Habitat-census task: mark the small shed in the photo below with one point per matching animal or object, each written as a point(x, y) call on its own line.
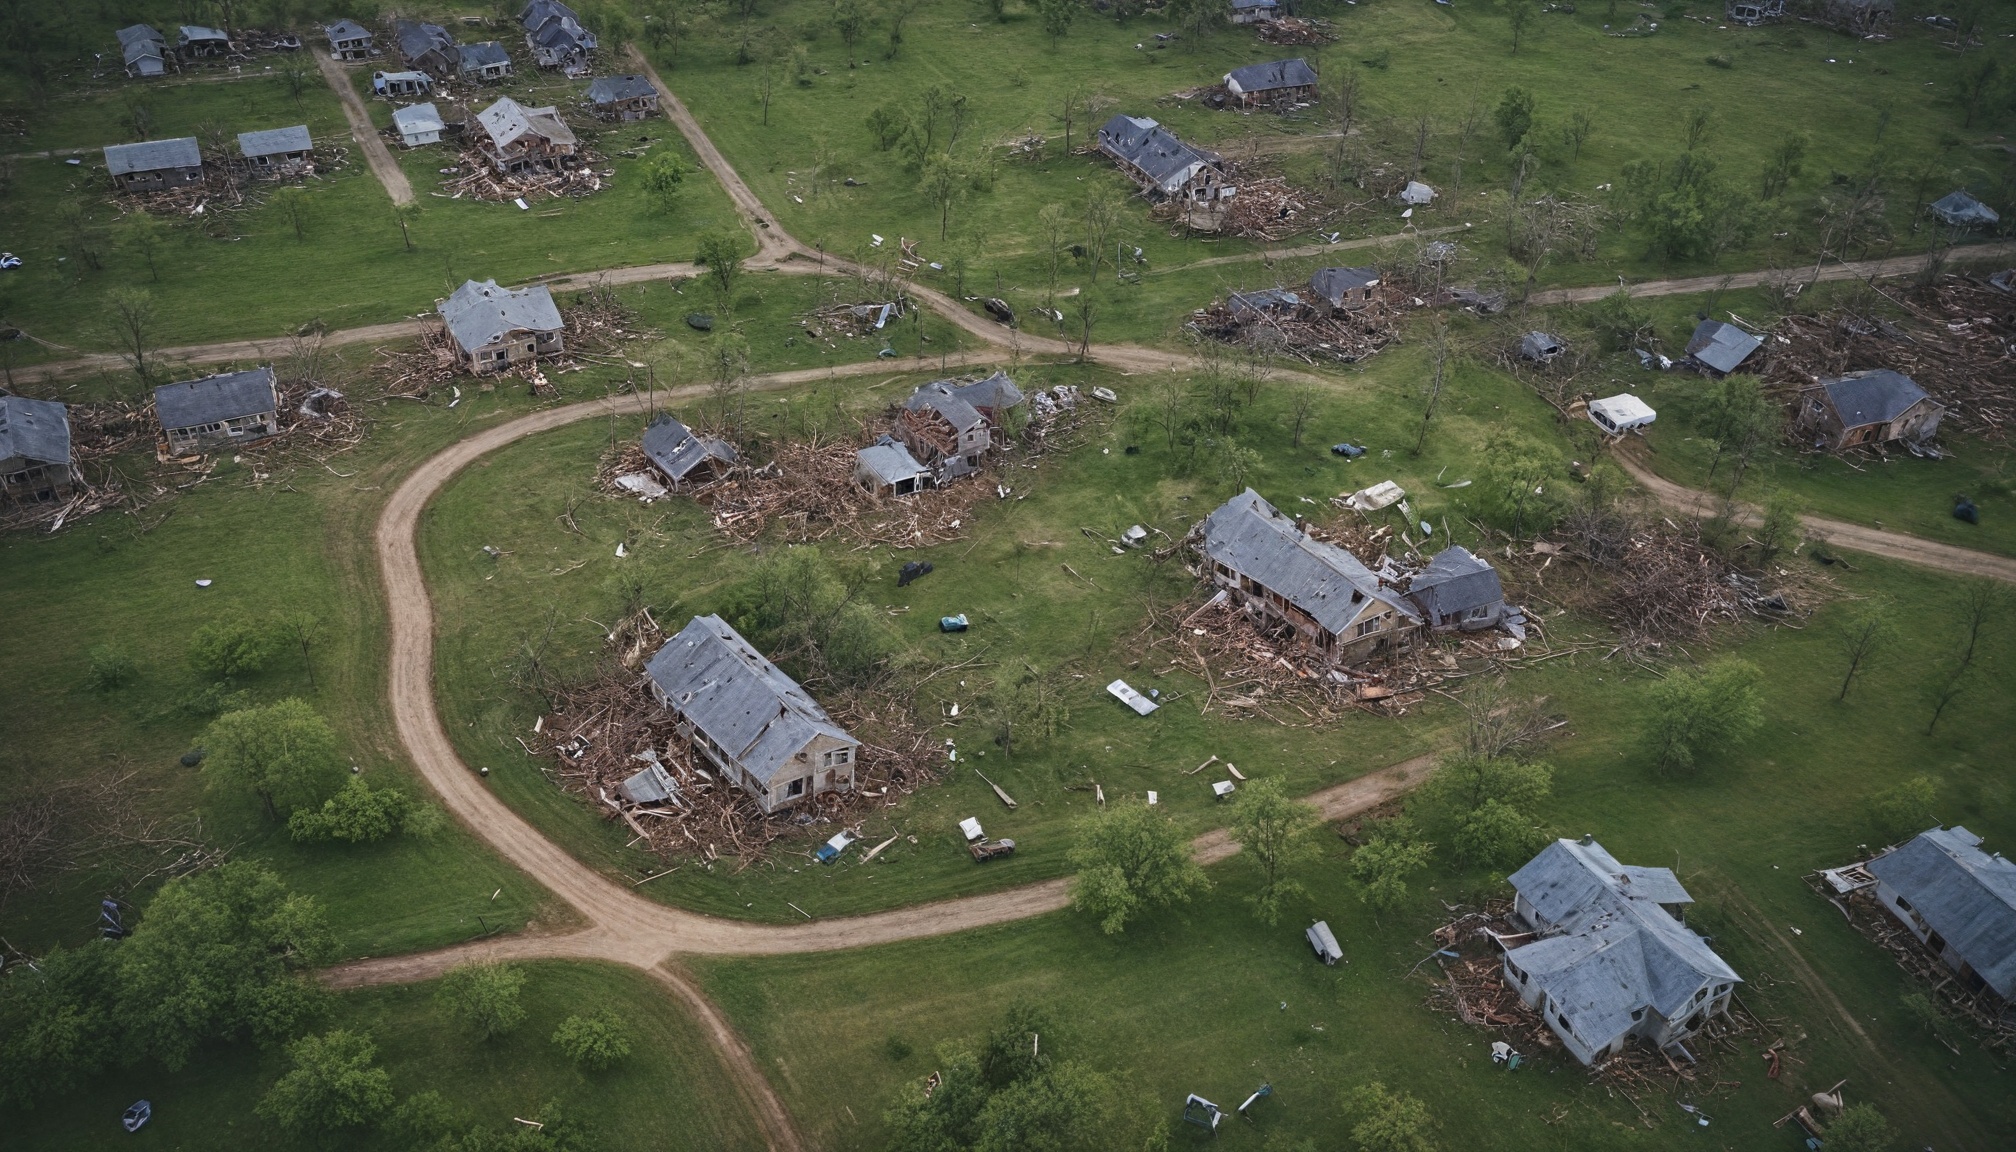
point(154, 165)
point(1540, 347)
point(1324, 942)
point(198, 42)
point(1254, 11)
point(623, 97)
point(1344, 288)
point(349, 40)
point(35, 465)
point(1963, 211)
point(483, 62)
point(417, 124)
point(1417, 194)
point(401, 84)
point(1275, 82)
point(1876, 406)
point(496, 328)
point(1621, 413)
point(277, 150)
point(682, 455)
point(1721, 348)
point(887, 468)
point(233, 407)
point(144, 50)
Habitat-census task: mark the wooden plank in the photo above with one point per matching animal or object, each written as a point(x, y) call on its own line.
point(1005, 798)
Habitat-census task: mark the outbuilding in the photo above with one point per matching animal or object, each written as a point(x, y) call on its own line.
point(684, 456)
point(154, 165)
point(1458, 590)
point(35, 464)
point(349, 40)
point(1324, 942)
point(144, 50)
point(626, 97)
point(1275, 82)
point(1344, 289)
point(1876, 406)
point(1719, 349)
point(277, 151)
point(495, 329)
point(1621, 413)
point(409, 83)
point(417, 124)
point(1963, 211)
point(1254, 11)
point(230, 408)
point(1540, 347)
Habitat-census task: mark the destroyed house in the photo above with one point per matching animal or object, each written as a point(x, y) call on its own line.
point(515, 138)
point(943, 431)
point(887, 468)
point(234, 407)
point(1254, 11)
point(1275, 82)
point(1272, 567)
point(401, 83)
point(623, 97)
point(1263, 302)
point(496, 328)
point(1721, 348)
point(683, 455)
point(1959, 901)
point(1458, 590)
point(560, 42)
point(349, 40)
point(482, 62)
point(35, 465)
point(992, 397)
point(1876, 406)
point(1963, 211)
point(427, 47)
point(755, 724)
point(1163, 166)
point(198, 42)
point(418, 124)
point(144, 50)
point(1614, 959)
point(1342, 288)
point(277, 150)
point(154, 165)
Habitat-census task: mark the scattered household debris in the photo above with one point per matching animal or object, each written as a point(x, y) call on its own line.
point(1120, 690)
point(1324, 942)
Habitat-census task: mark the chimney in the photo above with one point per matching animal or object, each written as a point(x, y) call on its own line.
point(1588, 838)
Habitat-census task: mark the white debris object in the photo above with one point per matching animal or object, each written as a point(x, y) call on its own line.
point(1621, 413)
point(1223, 788)
point(643, 484)
point(1122, 691)
point(970, 827)
point(1376, 497)
point(202, 583)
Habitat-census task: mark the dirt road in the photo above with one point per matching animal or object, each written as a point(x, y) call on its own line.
point(376, 154)
point(1854, 270)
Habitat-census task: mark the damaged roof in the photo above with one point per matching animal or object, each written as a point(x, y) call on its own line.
point(415, 119)
point(1271, 76)
point(1961, 209)
point(1720, 346)
point(139, 34)
point(346, 29)
point(153, 156)
point(997, 392)
point(215, 399)
point(1873, 396)
point(507, 122)
point(677, 450)
point(1262, 300)
point(1252, 537)
point(1964, 894)
point(1332, 283)
point(1540, 346)
point(416, 39)
point(1142, 142)
point(889, 462)
point(941, 397)
point(1453, 583)
point(37, 430)
point(1617, 949)
point(481, 313)
point(276, 141)
point(741, 702)
point(482, 55)
point(612, 89)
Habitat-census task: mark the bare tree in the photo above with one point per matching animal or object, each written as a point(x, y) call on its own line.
point(293, 205)
point(130, 314)
point(1983, 601)
point(1087, 313)
point(1102, 216)
point(1859, 639)
point(1439, 353)
point(1170, 400)
point(304, 632)
point(1053, 224)
point(1496, 723)
point(1423, 126)
point(1301, 406)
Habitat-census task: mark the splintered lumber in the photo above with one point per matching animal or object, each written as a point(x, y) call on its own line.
point(1005, 798)
point(1236, 774)
point(1098, 793)
point(1201, 767)
point(877, 849)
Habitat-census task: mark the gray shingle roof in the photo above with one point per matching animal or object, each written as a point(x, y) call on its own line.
point(611, 89)
point(677, 450)
point(480, 313)
point(1540, 346)
point(1242, 5)
point(940, 397)
point(560, 32)
point(1263, 300)
point(1617, 948)
point(140, 34)
point(508, 122)
point(997, 391)
point(539, 11)
point(1962, 893)
point(1453, 583)
point(1964, 210)
point(215, 398)
point(1168, 162)
point(346, 29)
point(741, 701)
point(275, 141)
point(417, 39)
point(1875, 396)
point(1270, 76)
point(1720, 346)
point(197, 32)
point(481, 55)
point(417, 118)
point(153, 155)
point(1251, 537)
point(1332, 283)
point(890, 462)
point(37, 430)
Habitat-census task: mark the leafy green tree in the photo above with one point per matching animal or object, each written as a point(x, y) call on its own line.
point(1784, 163)
point(57, 1028)
point(423, 1120)
point(595, 1042)
point(1013, 1048)
point(1496, 834)
point(722, 253)
point(850, 19)
point(814, 616)
point(283, 753)
point(1860, 1128)
point(664, 180)
point(1382, 865)
point(1467, 783)
point(357, 814)
point(1057, 16)
point(1514, 116)
point(1384, 1121)
point(1049, 1111)
point(219, 955)
point(1516, 471)
point(1276, 832)
point(1904, 809)
point(1015, 1095)
point(1518, 20)
point(1780, 529)
point(889, 123)
point(1705, 713)
point(944, 184)
point(484, 997)
point(333, 1085)
point(1129, 861)
point(231, 648)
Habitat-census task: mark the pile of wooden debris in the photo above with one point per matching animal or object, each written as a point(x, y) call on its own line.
point(1294, 30)
point(1302, 332)
point(852, 321)
point(807, 492)
point(1993, 1017)
point(473, 178)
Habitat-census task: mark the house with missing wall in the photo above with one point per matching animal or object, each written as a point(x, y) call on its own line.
point(35, 464)
point(623, 97)
point(496, 329)
point(427, 48)
point(390, 84)
point(349, 40)
point(515, 138)
point(1274, 82)
point(1614, 959)
point(1958, 901)
point(232, 408)
point(887, 468)
point(154, 165)
point(764, 732)
point(1164, 167)
point(278, 151)
point(485, 62)
point(684, 456)
point(1344, 289)
point(1876, 406)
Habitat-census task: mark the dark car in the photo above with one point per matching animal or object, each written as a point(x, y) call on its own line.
point(1347, 450)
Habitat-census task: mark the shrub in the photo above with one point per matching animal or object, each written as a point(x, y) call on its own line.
point(357, 814)
point(1383, 1121)
point(229, 649)
point(484, 997)
point(594, 1042)
point(332, 1085)
point(110, 668)
point(1696, 714)
point(1905, 809)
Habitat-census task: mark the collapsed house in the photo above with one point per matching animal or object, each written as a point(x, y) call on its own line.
point(556, 36)
point(1253, 11)
point(144, 51)
point(1164, 167)
point(418, 124)
point(1615, 959)
point(495, 329)
point(482, 62)
point(229, 408)
point(1262, 302)
point(1344, 289)
point(1856, 17)
point(756, 725)
point(278, 151)
point(1459, 591)
point(1719, 349)
point(427, 48)
point(887, 468)
point(349, 40)
point(1876, 406)
point(1959, 901)
point(515, 138)
point(200, 43)
point(1273, 83)
point(623, 97)
point(1962, 211)
point(684, 456)
point(1286, 579)
point(154, 165)
point(401, 84)
point(947, 426)
point(35, 464)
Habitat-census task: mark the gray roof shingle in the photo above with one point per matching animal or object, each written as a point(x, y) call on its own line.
point(507, 122)
point(612, 89)
point(1874, 396)
point(940, 397)
point(1961, 209)
point(140, 34)
point(1142, 142)
point(480, 313)
point(153, 156)
point(416, 39)
point(741, 701)
point(1962, 893)
point(1720, 346)
point(1453, 583)
point(276, 141)
point(417, 118)
point(1268, 77)
point(1249, 536)
point(346, 29)
point(483, 55)
point(677, 450)
point(37, 430)
point(889, 462)
point(212, 399)
point(1332, 283)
